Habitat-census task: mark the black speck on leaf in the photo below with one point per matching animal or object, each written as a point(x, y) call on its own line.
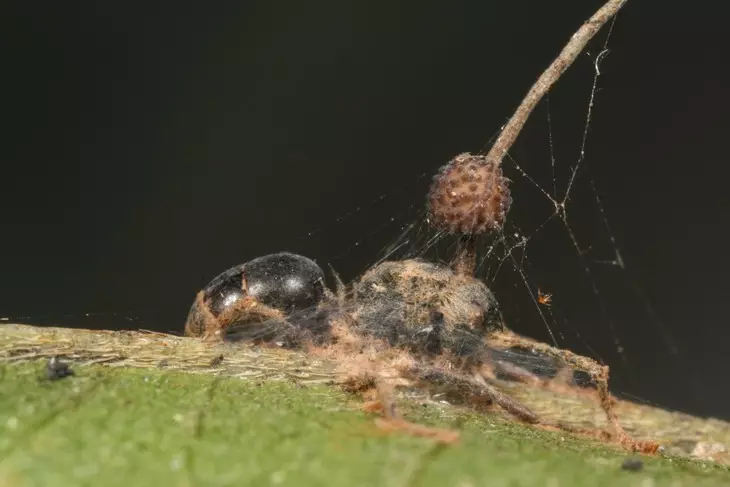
point(57, 369)
point(632, 464)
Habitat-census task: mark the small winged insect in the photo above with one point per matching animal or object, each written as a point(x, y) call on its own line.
point(632, 464)
point(57, 369)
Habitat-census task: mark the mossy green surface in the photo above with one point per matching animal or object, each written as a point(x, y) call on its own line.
point(120, 426)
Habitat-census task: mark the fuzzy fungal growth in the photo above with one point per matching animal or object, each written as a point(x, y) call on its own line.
point(425, 308)
point(469, 196)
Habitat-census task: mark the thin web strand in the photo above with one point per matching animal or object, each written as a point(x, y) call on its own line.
point(552, 147)
point(597, 74)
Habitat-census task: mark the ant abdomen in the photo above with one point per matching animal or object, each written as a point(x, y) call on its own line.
point(258, 296)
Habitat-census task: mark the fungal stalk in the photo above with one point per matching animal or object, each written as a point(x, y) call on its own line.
point(469, 196)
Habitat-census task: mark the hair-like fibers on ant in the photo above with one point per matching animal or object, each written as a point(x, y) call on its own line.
point(407, 323)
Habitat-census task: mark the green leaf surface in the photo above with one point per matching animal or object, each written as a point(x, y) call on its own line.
point(123, 426)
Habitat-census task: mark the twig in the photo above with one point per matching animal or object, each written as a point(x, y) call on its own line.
point(548, 78)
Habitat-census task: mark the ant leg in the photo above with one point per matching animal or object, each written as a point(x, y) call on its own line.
point(475, 390)
point(385, 404)
point(509, 404)
point(560, 383)
point(390, 421)
point(598, 373)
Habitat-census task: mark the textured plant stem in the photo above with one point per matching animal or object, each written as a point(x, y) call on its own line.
point(550, 76)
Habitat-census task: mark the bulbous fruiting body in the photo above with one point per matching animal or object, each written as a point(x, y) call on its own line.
point(469, 196)
point(263, 289)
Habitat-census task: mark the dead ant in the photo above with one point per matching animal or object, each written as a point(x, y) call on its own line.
point(409, 322)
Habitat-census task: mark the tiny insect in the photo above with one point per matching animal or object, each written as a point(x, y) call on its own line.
point(57, 369)
point(632, 464)
point(546, 299)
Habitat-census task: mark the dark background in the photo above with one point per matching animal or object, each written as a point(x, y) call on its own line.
point(147, 146)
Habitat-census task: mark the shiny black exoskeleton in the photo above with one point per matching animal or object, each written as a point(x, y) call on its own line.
point(284, 281)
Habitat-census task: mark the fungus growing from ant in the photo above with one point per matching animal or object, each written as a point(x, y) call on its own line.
point(410, 323)
point(468, 197)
